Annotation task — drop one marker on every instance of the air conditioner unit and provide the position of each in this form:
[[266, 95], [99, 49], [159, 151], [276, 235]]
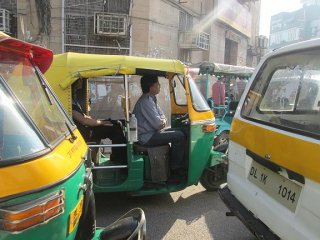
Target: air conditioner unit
[[4, 20], [111, 24], [194, 40]]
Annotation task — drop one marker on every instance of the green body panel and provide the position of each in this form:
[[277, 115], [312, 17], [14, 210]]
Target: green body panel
[[57, 228], [222, 126], [199, 151], [216, 158], [159, 189], [131, 179], [119, 180]]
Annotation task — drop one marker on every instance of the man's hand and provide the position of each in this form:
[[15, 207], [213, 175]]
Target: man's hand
[[164, 122], [105, 122]]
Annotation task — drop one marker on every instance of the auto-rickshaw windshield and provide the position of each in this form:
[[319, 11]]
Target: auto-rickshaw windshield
[[17, 138], [34, 96], [198, 101], [179, 90]]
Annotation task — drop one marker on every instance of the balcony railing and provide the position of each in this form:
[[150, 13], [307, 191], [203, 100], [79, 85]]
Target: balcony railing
[[194, 40]]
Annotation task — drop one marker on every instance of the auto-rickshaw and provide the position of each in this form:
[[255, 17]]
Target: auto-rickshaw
[[222, 85], [45, 181], [143, 170]]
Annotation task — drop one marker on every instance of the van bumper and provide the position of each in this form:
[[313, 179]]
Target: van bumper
[[258, 228]]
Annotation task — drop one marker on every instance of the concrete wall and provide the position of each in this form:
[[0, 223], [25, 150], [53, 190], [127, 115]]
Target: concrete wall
[[140, 27], [217, 43], [56, 27], [28, 25], [163, 27], [154, 29]]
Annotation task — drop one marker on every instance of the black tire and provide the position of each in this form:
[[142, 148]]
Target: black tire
[[87, 223], [213, 177], [221, 142]]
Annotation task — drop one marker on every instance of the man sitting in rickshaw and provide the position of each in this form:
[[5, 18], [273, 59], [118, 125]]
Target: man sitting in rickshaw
[[151, 126], [94, 130]]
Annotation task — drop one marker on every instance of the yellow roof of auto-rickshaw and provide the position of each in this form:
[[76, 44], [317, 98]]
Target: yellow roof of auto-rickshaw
[[42, 57], [68, 67]]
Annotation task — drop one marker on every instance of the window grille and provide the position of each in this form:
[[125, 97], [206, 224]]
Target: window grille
[[4, 20], [111, 24], [185, 21]]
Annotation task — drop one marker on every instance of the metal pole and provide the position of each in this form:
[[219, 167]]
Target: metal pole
[[126, 87], [62, 27], [207, 84]]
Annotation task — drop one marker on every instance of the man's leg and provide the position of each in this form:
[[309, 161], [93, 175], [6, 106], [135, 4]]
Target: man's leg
[[177, 140]]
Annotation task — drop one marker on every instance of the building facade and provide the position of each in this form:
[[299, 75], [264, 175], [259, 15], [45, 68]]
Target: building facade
[[190, 30], [291, 27]]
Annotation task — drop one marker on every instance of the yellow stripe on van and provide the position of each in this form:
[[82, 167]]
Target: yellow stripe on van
[[289, 152], [45, 171]]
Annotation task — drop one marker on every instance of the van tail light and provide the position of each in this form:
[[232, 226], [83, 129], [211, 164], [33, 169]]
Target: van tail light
[[209, 127], [17, 218]]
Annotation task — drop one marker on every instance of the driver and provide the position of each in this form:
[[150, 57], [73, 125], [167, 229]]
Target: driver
[[94, 130], [151, 126]]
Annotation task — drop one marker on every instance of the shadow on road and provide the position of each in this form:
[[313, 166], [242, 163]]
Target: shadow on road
[[190, 214]]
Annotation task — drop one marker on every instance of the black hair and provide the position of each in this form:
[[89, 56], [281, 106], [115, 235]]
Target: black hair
[[147, 81]]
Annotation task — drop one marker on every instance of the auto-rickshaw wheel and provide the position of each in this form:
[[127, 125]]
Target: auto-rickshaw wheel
[[87, 223], [214, 176], [221, 142]]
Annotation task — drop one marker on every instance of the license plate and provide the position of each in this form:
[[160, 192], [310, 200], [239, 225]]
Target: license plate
[[278, 187], [75, 215]]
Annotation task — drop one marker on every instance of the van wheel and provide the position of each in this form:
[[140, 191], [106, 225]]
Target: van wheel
[[213, 177], [221, 142]]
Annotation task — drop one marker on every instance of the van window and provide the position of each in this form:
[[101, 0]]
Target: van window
[[287, 96]]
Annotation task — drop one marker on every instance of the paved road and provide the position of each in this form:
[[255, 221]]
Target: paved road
[[189, 214]]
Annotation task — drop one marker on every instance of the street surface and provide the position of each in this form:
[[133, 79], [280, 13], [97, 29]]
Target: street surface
[[190, 214]]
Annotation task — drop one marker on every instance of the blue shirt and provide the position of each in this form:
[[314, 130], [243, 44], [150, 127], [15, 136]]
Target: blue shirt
[[149, 115]]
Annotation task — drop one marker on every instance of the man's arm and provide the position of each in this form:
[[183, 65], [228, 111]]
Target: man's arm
[[87, 120], [150, 113]]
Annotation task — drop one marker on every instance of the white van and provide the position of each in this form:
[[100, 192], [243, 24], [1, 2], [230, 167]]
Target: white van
[[274, 150]]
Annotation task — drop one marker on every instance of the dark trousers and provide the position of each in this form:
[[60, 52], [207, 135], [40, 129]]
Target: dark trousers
[[178, 145]]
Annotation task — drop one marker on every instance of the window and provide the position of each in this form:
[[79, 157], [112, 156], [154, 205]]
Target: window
[[203, 41], [185, 22], [110, 24], [286, 95], [4, 20]]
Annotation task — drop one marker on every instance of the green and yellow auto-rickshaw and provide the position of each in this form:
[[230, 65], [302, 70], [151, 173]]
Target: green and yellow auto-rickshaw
[[114, 84], [45, 183], [222, 85]]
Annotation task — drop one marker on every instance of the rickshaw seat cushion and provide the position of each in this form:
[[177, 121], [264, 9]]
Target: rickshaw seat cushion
[[142, 149], [138, 148]]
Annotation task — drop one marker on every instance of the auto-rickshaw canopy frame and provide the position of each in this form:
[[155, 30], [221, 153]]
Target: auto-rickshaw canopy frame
[[73, 66]]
